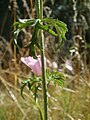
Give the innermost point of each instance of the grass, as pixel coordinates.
(66, 103)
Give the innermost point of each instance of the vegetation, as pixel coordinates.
(23, 96)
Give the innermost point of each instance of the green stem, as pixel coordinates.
(44, 80)
(39, 5)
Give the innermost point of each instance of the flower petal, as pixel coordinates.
(34, 64)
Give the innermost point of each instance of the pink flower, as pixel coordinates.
(34, 64)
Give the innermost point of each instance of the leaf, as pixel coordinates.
(55, 21)
(22, 88)
(60, 27)
(16, 33)
(46, 28)
(38, 45)
(61, 24)
(35, 95)
(16, 23)
(29, 85)
(23, 25)
(56, 77)
(50, 20)
(59, 32)
(63, 33)
(25, 20)
(24, 83)
(33, 51)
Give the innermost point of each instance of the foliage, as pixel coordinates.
(56, 77)
(60, 30)
(35, 83)
(31, 83)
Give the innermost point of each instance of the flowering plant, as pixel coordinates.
(34, 64)
(37, 63)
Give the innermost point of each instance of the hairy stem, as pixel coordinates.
(39, 4)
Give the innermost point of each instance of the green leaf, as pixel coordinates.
(29, 85)
(23, 25)
(16, 33)
(22, 88)
(61, 24)
(16, 23)
(24, 83)
(63, 33)
(56, 77)
(60, 27)
(50, 20)
(46, 28)
(59, 32)
(38, 45)
(26, 22)
(55, 21)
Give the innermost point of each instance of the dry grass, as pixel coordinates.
(69, 103)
